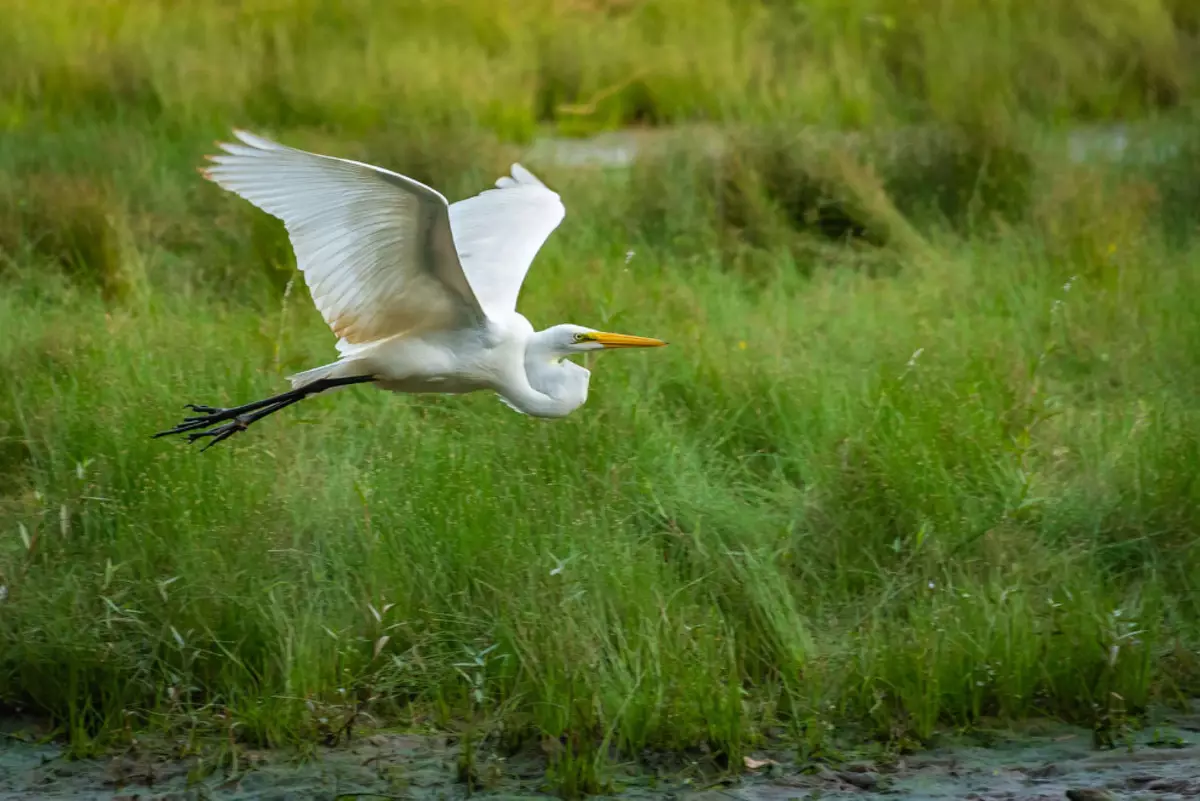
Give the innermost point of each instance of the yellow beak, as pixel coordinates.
(625, 341)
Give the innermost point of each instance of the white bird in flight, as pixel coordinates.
(421, 293)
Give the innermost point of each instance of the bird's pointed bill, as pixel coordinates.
(625, 340)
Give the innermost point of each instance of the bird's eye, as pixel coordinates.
(581, 337)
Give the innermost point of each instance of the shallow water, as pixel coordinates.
(1035, 760)
(1115, 144)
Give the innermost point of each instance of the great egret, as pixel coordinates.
(421, 293)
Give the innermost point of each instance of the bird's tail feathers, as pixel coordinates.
(309, 376)
(339, 369)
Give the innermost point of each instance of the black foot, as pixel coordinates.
(222, 432)
(239, 418)
(206, 424)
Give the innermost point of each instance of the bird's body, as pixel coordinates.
(493, 356)
(421, 293)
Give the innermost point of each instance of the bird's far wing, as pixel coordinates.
(499, 231)
(375, 247)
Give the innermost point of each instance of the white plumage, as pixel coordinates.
(421, 293)
(499, 231)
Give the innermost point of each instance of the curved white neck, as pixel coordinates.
(553, 386)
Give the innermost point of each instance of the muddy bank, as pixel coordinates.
(1035, 760)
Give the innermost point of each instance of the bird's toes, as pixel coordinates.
(221, 432)
(205, 423)
(210, 432)
(204, 409)
(221, 436)
(190, 424)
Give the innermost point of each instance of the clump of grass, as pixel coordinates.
(1168, 163)
(961, 177)
(780, 187)
(73, 224)
(1080, 223)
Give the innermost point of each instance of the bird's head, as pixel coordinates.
(561, 384)
(568, 340)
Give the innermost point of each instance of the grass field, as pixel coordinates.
(924, 448)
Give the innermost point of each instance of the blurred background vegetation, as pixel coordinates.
(928, 268)
(834, 115)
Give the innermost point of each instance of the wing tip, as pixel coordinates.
(247, 139)
(254, 140)
(519, 176)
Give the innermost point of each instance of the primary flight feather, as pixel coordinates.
(421, 293)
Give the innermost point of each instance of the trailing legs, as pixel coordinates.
(239, 418)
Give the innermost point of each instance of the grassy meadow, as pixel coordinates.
(924, 450)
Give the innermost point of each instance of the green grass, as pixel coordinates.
(941, 472)
(367, 64)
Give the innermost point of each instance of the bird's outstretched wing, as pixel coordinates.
(375, 247)
(499, 231)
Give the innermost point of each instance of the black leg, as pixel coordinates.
(239, 418)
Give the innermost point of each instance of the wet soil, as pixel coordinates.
(1033, 760)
